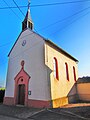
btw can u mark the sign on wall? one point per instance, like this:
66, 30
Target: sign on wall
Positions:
29, 92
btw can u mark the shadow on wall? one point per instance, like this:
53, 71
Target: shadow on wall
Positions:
73, 95
49, 71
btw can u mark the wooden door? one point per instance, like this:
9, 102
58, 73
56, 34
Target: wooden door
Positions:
21, 94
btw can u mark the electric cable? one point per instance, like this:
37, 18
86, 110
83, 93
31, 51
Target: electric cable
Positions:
17, 16
69, 24
6, 44
18, 7
62, 20
22, 12
51, 24
48, 4
11, 9
60, 3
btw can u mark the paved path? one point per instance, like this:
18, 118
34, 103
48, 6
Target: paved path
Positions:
17, 111
7, 118
24, 113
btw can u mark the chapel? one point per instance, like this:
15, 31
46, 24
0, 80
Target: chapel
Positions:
40, 73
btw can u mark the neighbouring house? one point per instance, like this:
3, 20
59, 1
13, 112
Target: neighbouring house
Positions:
40, 74
83, 89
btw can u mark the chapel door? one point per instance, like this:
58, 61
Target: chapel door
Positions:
21, 94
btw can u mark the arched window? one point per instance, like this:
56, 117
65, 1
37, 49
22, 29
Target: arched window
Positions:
55, 63
67, 73
74, 73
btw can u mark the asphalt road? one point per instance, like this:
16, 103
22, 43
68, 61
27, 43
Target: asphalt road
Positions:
48, 115
3, 117
23, 113
52, 115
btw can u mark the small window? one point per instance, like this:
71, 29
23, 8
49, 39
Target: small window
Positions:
24, 25
21, 80
74, 73
29, 24
55, 64
67, 73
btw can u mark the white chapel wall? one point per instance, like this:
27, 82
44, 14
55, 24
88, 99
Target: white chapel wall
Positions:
33, 55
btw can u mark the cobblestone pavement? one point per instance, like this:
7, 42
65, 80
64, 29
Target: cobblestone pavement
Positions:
24, 113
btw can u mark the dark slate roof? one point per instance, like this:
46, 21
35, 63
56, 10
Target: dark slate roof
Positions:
61, 50
28, 16
83, 80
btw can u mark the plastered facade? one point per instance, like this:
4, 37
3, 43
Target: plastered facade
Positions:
83, 90
33, 55
45, 90
60, 89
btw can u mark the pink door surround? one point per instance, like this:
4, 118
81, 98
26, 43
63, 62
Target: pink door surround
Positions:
22, 78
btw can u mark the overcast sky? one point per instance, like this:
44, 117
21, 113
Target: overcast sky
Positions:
66, 24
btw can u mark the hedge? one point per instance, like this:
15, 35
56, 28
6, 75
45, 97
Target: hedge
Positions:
2, 92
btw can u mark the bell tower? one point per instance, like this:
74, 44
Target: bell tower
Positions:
27, 23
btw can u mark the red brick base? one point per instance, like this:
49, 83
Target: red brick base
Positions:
38, 103
31, 103
8, 101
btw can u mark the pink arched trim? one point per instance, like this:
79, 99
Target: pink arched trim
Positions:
56, 65
67, 72
18, 80
74, 73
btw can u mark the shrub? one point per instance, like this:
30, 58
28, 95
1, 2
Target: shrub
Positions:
2, 92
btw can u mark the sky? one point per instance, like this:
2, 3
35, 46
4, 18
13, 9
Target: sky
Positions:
67, 25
